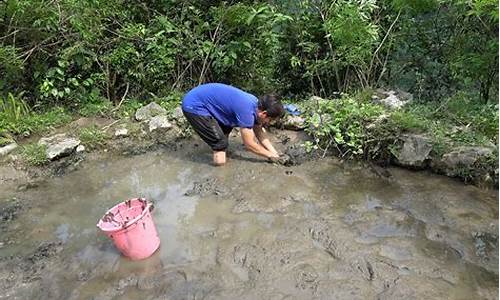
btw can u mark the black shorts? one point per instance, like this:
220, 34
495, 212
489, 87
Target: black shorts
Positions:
210, 130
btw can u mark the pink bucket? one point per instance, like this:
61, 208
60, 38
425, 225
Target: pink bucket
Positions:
131, 227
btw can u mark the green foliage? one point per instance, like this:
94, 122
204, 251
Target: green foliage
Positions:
128, 108
406, 120
171, 101
342, 123
36, 123
13, 109
95, 106
451, 47
60, 52
92, 137
88, 56
35, 154
11, 67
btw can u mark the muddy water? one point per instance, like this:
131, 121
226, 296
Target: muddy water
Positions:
250, 230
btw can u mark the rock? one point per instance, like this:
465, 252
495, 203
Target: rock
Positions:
7, 149
465, 156
80, 148
149, 111
121, 132
159, 122
454, 162
379, 120
177, 114
414, 152
315, 99
392, 99
294, 122
59, 145
392, 102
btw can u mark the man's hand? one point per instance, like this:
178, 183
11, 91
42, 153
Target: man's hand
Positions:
282, 159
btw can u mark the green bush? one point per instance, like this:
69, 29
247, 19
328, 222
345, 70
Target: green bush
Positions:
341, 123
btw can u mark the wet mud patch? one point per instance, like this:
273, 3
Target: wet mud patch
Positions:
209, 186
486, 245
262, 205
9, 211
26, 273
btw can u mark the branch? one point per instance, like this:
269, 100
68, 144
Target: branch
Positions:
123, 98
383, 41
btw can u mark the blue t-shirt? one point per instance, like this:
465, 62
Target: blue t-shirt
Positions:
229, 105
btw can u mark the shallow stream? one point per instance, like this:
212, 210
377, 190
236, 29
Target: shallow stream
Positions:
251, 230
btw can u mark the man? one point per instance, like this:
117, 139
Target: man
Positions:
213, 109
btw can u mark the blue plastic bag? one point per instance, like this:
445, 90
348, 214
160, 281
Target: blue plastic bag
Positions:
292, 109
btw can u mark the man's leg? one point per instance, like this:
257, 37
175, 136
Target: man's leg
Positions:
211, 133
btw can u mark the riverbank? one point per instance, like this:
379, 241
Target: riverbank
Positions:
383, 128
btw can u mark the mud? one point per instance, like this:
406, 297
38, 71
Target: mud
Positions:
319, 229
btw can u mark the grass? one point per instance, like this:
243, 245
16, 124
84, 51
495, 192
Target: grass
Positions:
35, 154
35, 122
92, 137
5, 138
95, 109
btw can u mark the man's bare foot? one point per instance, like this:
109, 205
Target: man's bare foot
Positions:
219, 158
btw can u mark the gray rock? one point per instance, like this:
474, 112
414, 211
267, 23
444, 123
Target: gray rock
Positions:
80, 148
59, 145
149, 111
464, 156
414, 152
121, 132
294, 122
7, 149
159, 122
392, 99
177, 114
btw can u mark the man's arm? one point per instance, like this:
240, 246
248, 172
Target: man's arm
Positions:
263, 139
248, 137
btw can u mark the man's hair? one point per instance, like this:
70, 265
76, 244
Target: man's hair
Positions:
272, 105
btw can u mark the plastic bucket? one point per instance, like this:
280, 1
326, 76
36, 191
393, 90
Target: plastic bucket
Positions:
131, 227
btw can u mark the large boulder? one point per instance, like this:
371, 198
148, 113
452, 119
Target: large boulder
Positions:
149, 111
462, 157
414, 152
59, 145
